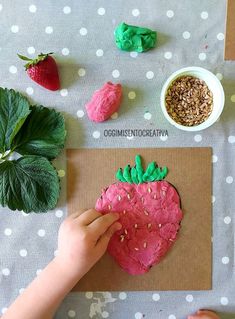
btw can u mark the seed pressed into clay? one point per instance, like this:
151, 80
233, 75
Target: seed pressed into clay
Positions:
145, 245
136, 226
122, 238
146, 213
128, 196
125, 231
109, 207
119, 198
149, 225
149, 190
136, 248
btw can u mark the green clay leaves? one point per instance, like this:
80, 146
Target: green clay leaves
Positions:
14, 109
134, 38
29, 183
137, 175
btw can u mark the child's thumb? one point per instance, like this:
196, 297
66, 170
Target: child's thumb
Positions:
105, 238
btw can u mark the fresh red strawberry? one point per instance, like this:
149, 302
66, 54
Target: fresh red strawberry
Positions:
43, 70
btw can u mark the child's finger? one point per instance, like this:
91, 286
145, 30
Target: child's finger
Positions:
103, 241
88, 217
100, 225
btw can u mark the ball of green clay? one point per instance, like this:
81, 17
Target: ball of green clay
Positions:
133, 38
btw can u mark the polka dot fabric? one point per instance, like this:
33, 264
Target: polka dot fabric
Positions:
80, 33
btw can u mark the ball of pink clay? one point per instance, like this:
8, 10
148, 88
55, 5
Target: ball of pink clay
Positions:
104, 102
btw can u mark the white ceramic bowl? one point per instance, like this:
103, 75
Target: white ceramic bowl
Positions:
213, 84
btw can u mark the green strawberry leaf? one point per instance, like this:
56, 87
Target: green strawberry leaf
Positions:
43, 133
14, 109
30, 184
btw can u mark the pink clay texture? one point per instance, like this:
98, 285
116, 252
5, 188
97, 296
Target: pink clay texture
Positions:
104, 102
150, 215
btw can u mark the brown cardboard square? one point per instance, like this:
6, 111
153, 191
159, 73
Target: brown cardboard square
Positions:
187, 266
229, 52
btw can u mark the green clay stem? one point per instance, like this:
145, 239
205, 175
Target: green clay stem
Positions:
134, 175
139, 168
119, 176
126, 174
149, 171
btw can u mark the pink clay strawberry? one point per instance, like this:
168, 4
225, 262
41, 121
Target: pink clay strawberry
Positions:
150, 214
43, 70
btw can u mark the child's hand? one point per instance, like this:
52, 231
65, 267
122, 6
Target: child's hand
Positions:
83, 239
204, 314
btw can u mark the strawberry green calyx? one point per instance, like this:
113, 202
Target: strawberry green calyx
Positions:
31, 62
137, 175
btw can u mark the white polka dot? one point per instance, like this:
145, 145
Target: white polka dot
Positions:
6, 272
31, 50
204, 15
219, 76
202, 56
214, 159
83, 31
67, 10
65, 51
29, 90
156, 297
38, 272
189, 298
23, 253
132, 95
168, 55
32, 8
89, 295
13, 69
80, 113
186, 35
227, 220
233, 98
41, 232
170, 13
229, 179
56, 252
64, 92
96, 134
133, 54
147, 116
225, 260
25, 214
105, 314
101, 11
114, 116
8, 231
163, 138
198, 138
49, 30
150, 75
14, 28
61, 173
220, 36
135, 12
4, 310
115, 74
231, 139
71, 313
59, 213
213, 199
99, 52
81, 72
122, 295
224, 301
138, 315
0, 7
21, 290
171, 317
131, 137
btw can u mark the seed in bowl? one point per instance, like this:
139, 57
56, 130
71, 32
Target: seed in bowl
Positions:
189, 101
